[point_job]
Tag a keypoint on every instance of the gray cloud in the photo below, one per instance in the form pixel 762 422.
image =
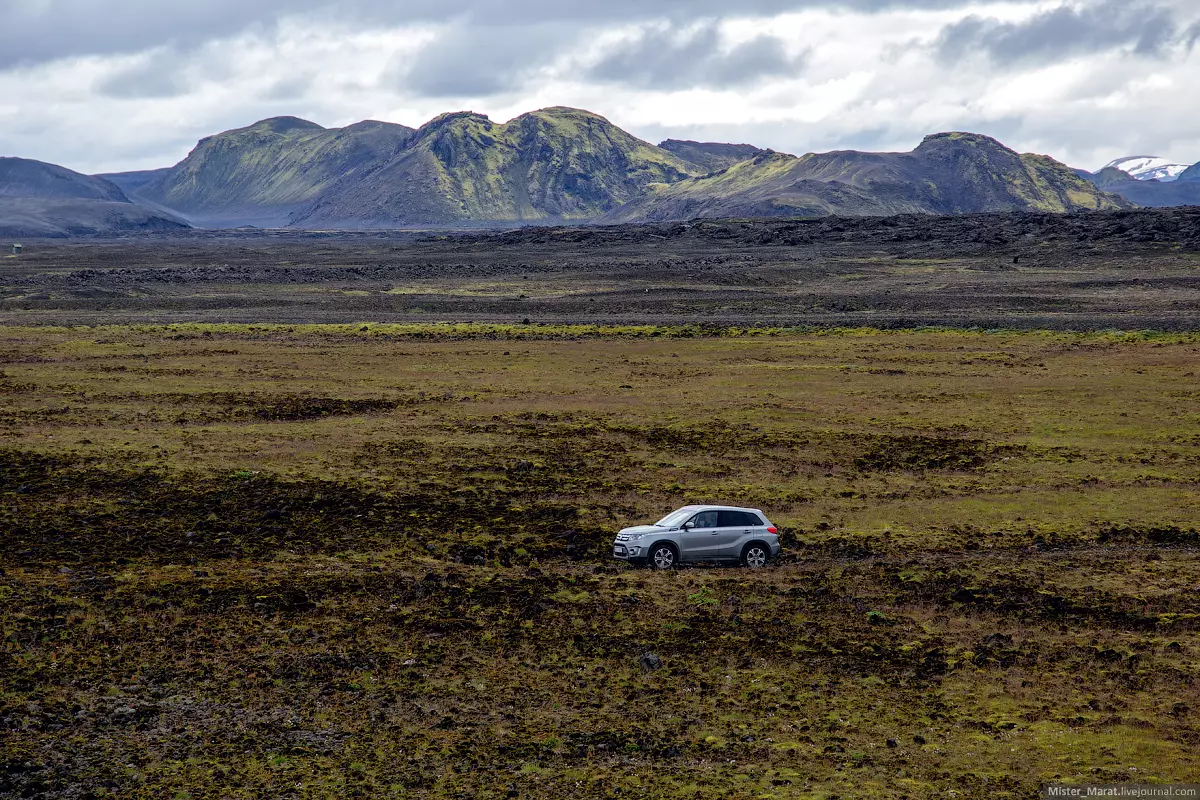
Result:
pixel 155 75
pixel 470 61
pixel 33 31
pixel 669 59
pixel 292 87
pixel 1192 35
pixel 168 73
pixel 1145 28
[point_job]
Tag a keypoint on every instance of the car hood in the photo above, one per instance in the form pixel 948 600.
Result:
pixel 636 529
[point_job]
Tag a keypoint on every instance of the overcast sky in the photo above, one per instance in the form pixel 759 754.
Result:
pixel 106 85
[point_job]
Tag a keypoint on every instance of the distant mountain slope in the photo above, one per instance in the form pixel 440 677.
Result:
pixel 712 156
pixel 1192 173
pixel 55 217
pixel 553 164
pixel 262 173
pixel 765 186
pixel 1183 191
pixel 948 173
pixel 23 177
pixel 130 182
pixel 1147 168
pixel 39 199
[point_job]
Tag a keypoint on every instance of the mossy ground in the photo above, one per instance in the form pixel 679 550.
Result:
pixel 371 561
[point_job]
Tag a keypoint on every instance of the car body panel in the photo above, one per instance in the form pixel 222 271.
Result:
pixel 702 541
pixel 731 532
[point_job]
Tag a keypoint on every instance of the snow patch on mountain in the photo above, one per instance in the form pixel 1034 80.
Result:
pixel 1148 168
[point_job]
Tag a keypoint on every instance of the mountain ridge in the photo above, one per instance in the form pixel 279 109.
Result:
pixel 561 164
pixel 130 182
pixel 1147 168
pixel 1192 173
pixel 553 164
pixel 264 172
pixel 947 173
pixel 714 156
pixel 1183 191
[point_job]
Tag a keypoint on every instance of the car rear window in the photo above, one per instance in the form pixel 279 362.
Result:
pixel 738 519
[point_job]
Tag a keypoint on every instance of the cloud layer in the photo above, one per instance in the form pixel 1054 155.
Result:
pixel 121 84
pixel 662 58
pixel 1143 29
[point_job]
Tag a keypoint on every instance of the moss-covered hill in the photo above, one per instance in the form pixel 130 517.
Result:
pixel 262 173
pixel 949 173
pixel 556 163
pixel 561 164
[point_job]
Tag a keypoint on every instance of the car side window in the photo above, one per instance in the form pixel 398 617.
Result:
pixel 730 519
pixel 752 520
pixel 705 519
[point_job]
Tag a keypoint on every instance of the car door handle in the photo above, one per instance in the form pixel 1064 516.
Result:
pixel 715 533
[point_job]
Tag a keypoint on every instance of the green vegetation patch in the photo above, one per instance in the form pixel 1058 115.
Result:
pixel 247 561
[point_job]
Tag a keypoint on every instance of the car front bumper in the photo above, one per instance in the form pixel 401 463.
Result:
pixel 629 551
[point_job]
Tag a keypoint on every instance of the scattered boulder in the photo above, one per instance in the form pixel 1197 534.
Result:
pixel 998 640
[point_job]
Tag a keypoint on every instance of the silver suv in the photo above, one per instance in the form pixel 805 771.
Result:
pixel 701 533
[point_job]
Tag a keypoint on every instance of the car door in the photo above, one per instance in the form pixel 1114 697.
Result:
pixel 732 527
pixel 699 542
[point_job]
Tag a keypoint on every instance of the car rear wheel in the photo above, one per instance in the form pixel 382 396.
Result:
pixel 755 556
pixel 662 556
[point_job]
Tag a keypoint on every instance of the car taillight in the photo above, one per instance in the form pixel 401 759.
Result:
pixel 772 529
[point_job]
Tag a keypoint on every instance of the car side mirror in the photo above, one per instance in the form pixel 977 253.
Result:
pixel 687 526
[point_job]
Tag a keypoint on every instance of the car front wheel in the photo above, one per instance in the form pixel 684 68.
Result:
pixel 662 557
pixel 755 556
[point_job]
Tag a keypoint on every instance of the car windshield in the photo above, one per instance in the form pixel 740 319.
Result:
pixel 675 518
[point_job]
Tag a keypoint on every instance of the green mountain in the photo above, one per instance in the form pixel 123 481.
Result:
pixel 460 168
pixel 39 199
pixel 261 174
pixel 712 156
pixel 564 164
pixel 1183 191
pixel 949 173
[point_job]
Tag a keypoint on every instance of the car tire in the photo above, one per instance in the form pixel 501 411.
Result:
pixel 662 556
pixel 755 555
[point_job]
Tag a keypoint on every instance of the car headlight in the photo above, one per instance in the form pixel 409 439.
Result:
pixel 633 537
